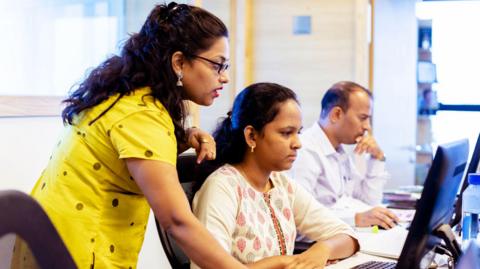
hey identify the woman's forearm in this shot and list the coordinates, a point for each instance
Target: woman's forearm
(275, 262)
(200, 246)
(159, 183)
(339, 246)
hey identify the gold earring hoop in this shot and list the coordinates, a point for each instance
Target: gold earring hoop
(252, 149)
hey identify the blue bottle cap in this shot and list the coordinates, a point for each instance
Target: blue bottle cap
(474, 179)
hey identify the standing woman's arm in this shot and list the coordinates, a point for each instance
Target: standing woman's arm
(202, 142)
(159, 183)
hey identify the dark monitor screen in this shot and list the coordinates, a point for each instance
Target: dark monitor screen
(472, 168)
(435, 206)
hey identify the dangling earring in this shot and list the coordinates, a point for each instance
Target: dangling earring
(179, 79)
(252, 149)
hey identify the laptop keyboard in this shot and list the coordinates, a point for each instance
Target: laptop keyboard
(376, 265)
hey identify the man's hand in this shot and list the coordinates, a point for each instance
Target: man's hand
(367, 144)
(376, 216)
(203, 143)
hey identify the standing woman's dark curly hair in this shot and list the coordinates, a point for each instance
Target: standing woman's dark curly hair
(256, 105)
(145, 60)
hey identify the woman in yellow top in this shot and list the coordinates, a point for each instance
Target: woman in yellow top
(124, 130)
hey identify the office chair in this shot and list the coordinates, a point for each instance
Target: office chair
(191, 176)
(20, 214)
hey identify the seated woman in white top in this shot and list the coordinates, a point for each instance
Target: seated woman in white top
(252, 209)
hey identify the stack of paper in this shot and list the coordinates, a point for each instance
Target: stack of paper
(400, 199)
(384, 243)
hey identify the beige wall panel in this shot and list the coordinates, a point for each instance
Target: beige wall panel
(309, 64)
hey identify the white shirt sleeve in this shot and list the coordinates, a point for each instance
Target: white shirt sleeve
(309, 171)
(314, 220)
(331, 176)
(369, 187)
(345, 214)
(346, 208)
(306, 170)
(216, 206)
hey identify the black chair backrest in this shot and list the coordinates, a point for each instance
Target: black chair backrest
(191, 176)
(20, 214)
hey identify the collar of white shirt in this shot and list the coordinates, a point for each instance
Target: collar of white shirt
(326, 146)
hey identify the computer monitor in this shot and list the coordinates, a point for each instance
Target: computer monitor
(435, 207)
(472, 168)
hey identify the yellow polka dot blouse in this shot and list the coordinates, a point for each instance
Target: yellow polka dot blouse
(86, 189)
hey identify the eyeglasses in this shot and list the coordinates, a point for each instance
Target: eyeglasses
(219, 67)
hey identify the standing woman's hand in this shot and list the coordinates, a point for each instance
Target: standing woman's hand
(203, 143)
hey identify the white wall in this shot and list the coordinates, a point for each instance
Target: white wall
(25, 146)
(395, 86)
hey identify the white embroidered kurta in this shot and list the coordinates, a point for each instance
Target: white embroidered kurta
(332, 177)
(252, 225)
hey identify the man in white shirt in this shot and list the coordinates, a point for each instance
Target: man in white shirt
(329, 173)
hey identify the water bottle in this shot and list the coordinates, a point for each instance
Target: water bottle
(471, 208)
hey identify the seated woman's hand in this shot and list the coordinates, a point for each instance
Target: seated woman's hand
(315, 257)
(203, 143)
(305, 261)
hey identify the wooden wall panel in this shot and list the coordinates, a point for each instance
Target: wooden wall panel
(309, 64)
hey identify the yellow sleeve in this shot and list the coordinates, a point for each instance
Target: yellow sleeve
(145, 134)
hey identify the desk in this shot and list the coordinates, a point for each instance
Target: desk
(360, 258)
(367, 241)
(383, 243)
(366, 238)
(357, 259)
